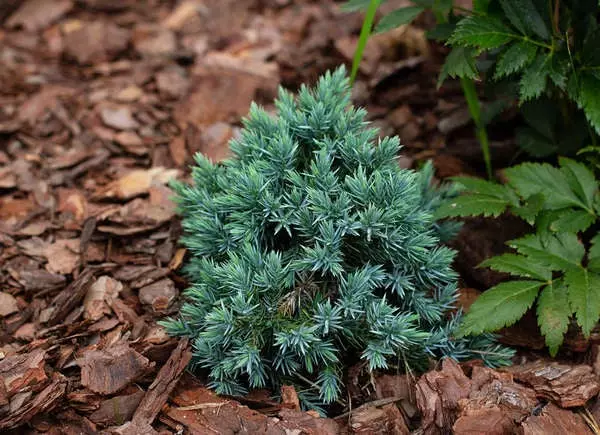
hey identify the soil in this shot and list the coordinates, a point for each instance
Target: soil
(101, 103)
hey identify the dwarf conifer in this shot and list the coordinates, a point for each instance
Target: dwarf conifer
(311, 248)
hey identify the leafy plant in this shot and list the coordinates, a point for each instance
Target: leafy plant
(311, 248)
(547, 51)
(405, 15)
(550, 52)
(553, 265)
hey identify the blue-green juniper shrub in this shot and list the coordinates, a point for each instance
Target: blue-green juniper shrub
(311, 248)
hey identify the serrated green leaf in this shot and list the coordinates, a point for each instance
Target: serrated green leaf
(491, 110)
(573, 221)
(525, 17)
(471, 205)
(533, 143)
(581, 180)
(584, 295)
(482, 198)
(518, 265)
(532, 178)
(553, 312)
(500, 306)
(544, 220)
(460, 62)
(514, 59)
(530, 210)
(591, 49)
(594, 254)
(541, 115)
(589, 100)
(533, 82)
(398, 18)
(558, 69)
(561, 251)
(484, 187)
(481, 31)
(441, 32)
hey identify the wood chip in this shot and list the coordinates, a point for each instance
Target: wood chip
(24, 372)
(160, 295)
(95, 41)
(117, 409)
(109, 371)
(553, 420)
(137, 183)
(45, 401)
(438, 394)
(567, 385)
(69, 298)
(34, 15)
(63, 256)
(8, 304)
(118, 117)
(165, 382)
(372, 420)
(99, 295)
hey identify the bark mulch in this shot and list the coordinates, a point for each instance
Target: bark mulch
(102, 102)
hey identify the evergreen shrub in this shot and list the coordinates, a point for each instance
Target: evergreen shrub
(311, 249)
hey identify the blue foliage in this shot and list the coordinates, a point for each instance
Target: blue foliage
(312, 245)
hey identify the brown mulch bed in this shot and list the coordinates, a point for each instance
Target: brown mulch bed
(101, 103)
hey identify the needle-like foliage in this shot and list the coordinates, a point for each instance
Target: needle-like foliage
(311, 248)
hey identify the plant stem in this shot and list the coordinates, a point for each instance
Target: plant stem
(468, 86)
(365, 32)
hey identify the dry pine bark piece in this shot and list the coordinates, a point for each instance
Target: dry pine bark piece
(109, 371)
(567, 385)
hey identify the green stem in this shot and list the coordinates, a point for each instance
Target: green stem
(470, 92)
(365, 32)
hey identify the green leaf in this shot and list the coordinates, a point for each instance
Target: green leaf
(553, 312)
(441, 32)
(481, 31)
(481, 6)
(514, 59)
(591, 49)
(533, 143)
(477, 185)
(594, 254)
(589, 99)
(481, 198)
(533, 82)
(573, 221)
(561, 251)
(491, 110)
(500, 306)
(524, 16)
(581, 180)
(460, 62)
(518, 265)
(365, 33)
(584, 295)
(558, 69)
(472, 205)
(529, 211)
(532, 178)
(542, 115)
(398, 18)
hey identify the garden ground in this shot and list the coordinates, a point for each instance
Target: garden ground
(104, 101)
